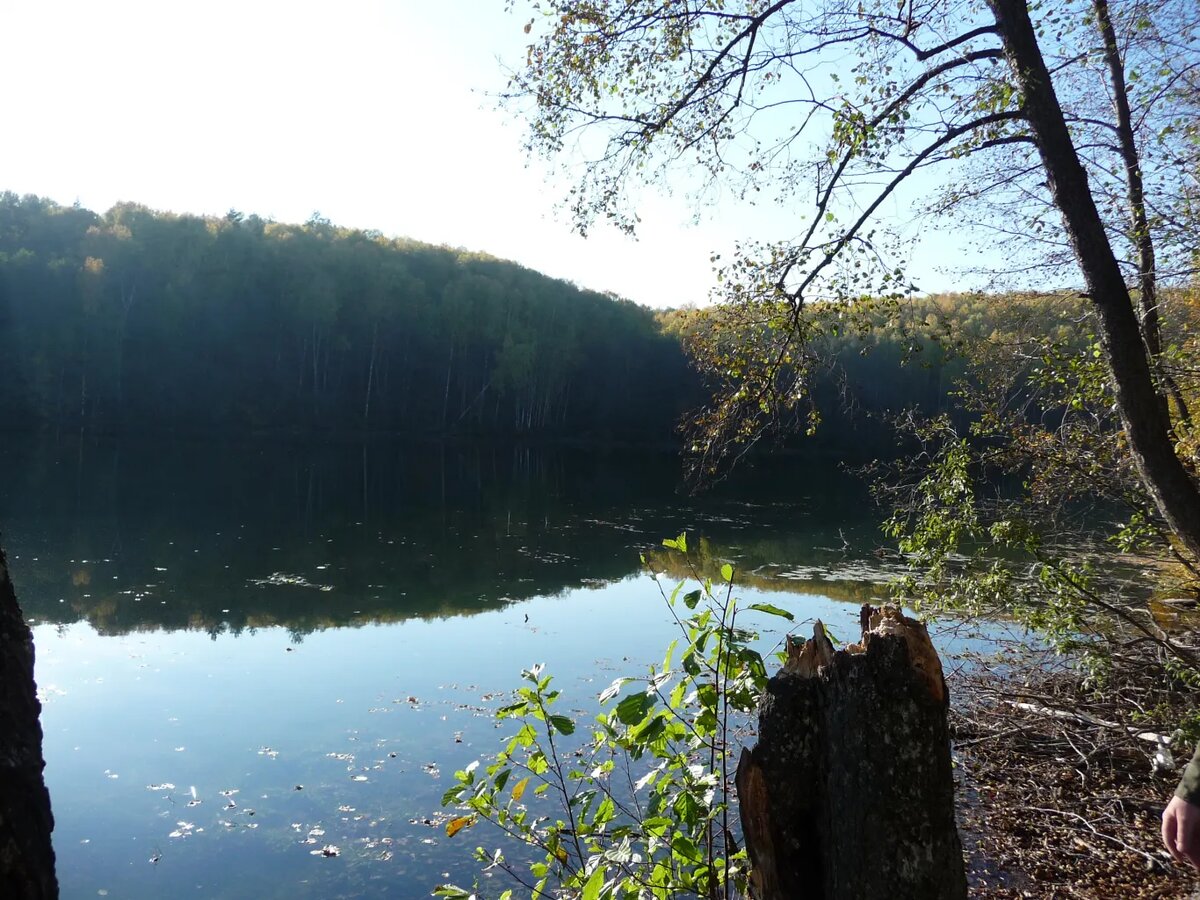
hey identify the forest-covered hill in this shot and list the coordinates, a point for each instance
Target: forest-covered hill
(136, 320)
(141, 319)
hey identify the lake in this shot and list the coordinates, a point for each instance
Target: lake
(249, 651)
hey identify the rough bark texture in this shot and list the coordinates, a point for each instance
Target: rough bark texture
(849, 792)
(1143, 414)
(26, 854)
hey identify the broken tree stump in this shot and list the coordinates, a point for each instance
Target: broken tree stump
(26, 854)
(849, 792)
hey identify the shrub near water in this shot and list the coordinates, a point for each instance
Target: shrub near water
(643, 807)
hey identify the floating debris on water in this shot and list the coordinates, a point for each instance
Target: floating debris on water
(282, 579)
(184, 829)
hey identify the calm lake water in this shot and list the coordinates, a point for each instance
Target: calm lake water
(247, 652)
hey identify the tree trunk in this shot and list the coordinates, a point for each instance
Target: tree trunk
(26, 854)
(370, 375)
(1139, 404)
(446, 392)
(849, 792)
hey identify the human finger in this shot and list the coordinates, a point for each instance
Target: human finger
(1170, 827)
(1187, 838)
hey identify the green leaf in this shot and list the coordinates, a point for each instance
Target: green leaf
(727, 572)
(772, 610)
(656, 826)
(562, 724)
(632, 709)
(591, 889)
(649, 730)
(677, 695)
(605, 812)
(684, 848)
(691, 598)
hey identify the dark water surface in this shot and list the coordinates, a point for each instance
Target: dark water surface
(247, 652)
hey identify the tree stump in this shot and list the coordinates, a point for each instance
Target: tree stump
(849, 792)
(26, 854)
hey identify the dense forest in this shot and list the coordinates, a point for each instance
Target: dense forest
(137, 320)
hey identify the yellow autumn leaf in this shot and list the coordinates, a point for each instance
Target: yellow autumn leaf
(454, 826)
(519, 789)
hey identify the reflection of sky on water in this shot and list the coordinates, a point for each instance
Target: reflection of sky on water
(348, 738)
(325, 631)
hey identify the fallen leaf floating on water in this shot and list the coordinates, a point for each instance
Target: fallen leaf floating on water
(165, 786)
(327, 851)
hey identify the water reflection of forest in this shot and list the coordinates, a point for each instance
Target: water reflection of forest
(225, 537)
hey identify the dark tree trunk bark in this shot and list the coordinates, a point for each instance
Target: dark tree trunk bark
(1143, 414)
(849, 792)
(26, 854)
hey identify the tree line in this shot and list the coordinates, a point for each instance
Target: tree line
(135, 318)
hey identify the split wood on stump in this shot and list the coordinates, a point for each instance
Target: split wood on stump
(26, 854)
(849, 792)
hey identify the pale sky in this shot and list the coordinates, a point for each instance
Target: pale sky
(374, 112)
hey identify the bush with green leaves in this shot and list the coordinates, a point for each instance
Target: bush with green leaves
(643, 805)
(1035, 511)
